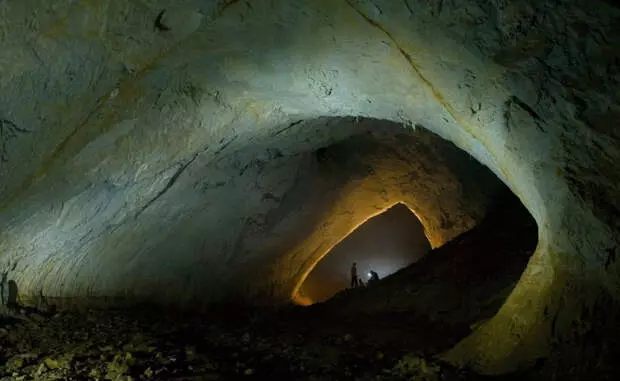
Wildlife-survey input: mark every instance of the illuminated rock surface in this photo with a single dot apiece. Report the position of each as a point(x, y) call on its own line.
point(385, 244)
point(148, 158)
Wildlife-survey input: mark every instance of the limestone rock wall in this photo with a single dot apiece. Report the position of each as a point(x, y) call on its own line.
point(220, 227)
point(103, 110)
point(362, 177)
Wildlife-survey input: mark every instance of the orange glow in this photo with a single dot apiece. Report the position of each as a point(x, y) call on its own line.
point(303, 300)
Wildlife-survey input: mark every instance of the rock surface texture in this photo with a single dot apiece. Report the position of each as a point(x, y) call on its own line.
point(174, 157)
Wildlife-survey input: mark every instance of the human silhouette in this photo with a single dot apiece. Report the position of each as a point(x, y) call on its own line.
point(374, 277)
point(354, 278)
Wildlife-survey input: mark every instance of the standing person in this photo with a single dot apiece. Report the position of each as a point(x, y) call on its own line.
point(354, 279)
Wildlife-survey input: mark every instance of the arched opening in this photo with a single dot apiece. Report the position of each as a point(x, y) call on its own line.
point(475, 265)
point(384, 244)
point(121, 135)
point(361, 168)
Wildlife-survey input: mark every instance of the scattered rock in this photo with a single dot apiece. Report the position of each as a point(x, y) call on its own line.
point(148, 373)
point(416, 368)
point(14, 364)
point(51, 363)
point(118, 346)
point(119, 366)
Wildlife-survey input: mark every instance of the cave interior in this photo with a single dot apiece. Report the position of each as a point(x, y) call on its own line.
point(184, 186)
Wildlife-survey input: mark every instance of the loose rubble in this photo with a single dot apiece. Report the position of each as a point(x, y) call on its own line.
point(150, 345)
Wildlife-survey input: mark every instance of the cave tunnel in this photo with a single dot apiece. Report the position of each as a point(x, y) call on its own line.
point(385, 243)
point(197, 159)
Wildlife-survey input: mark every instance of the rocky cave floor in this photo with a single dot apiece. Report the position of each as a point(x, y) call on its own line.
point(152, 345)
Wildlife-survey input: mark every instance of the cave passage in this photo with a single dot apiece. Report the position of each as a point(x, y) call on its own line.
point(447, 237)
point(184, 155)
point(385, 244)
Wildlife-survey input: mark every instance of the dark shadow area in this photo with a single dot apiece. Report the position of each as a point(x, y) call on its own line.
point(12, 295)
point(385, 244)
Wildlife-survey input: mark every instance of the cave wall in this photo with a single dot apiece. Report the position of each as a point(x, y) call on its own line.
point(443, 186)
point(218, 227)
point(102, 112)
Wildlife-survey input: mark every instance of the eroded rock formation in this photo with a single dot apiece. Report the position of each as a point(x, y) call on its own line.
point(252, 222)
point(121, 125)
